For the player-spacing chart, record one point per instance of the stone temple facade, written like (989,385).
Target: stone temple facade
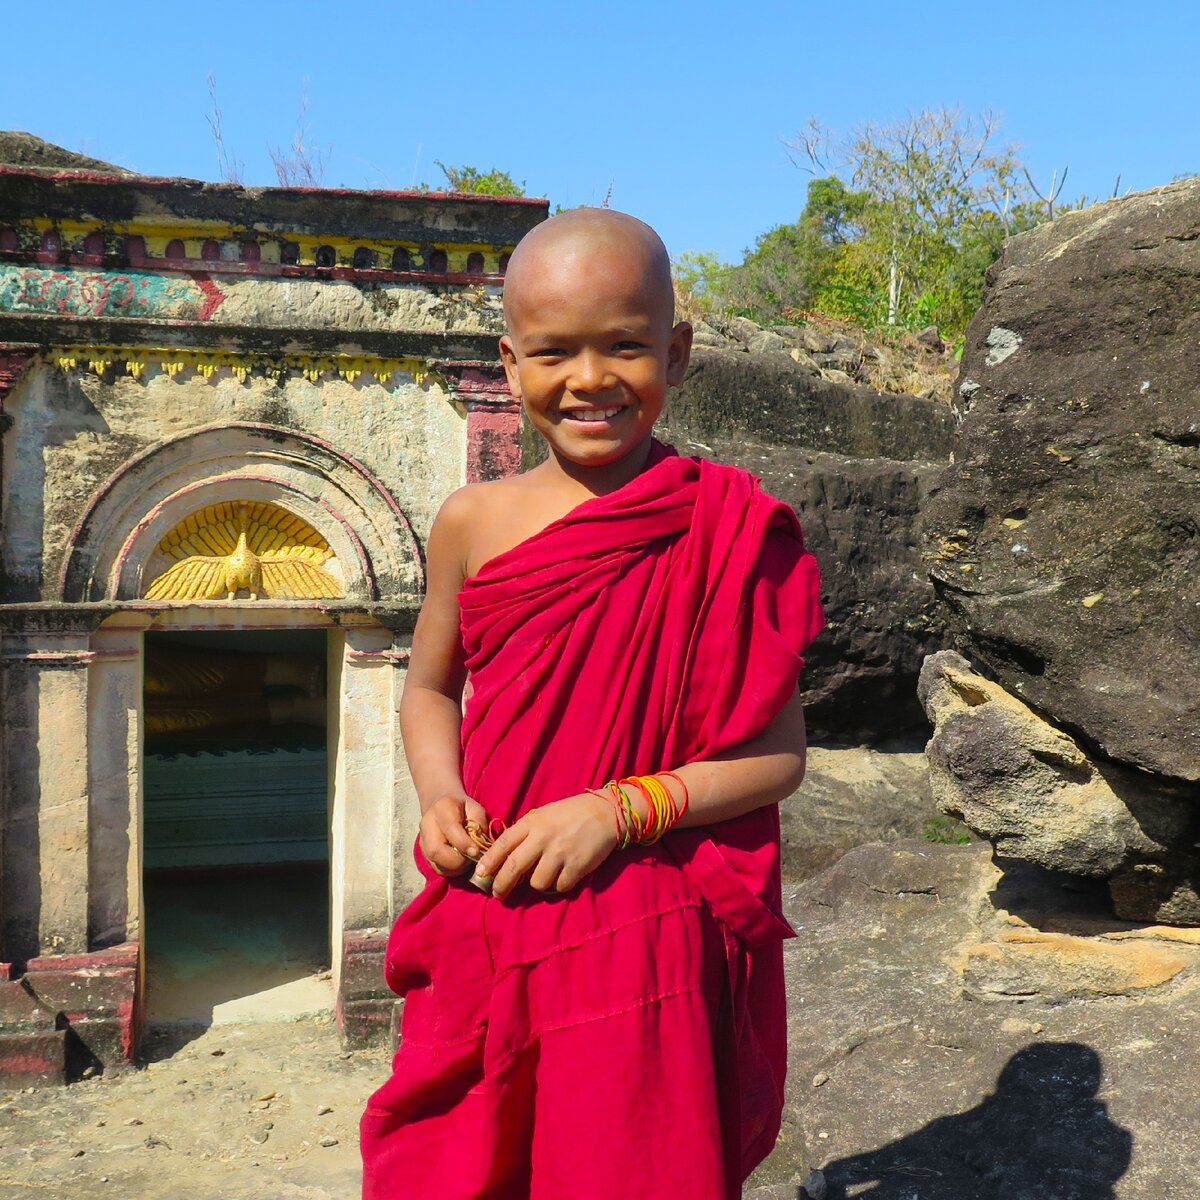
(227,417)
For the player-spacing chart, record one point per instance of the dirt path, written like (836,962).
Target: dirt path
(255,1111)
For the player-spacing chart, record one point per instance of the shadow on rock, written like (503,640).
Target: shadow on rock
(1041,1133)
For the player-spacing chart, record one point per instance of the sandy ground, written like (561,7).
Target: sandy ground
(240,1103)
(267,1110)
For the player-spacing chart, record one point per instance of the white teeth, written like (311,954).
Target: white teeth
(594,414)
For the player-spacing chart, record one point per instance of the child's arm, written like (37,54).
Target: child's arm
(431,709)
(558,844)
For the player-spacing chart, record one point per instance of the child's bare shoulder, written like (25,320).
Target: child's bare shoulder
(482,520)
(467,505)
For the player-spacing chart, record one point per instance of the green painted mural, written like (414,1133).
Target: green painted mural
(67,291)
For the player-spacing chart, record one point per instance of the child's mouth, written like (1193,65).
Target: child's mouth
(592,415)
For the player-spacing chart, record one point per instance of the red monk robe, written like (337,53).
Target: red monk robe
(626,1039)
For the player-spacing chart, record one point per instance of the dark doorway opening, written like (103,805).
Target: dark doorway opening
(235,826)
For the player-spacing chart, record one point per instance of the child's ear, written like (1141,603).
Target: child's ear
(508,356)
(679,352)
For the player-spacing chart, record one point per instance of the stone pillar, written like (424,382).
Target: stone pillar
(364,686)
(493,419)
(53,852)
(45,858)
(114,780)
(407,881)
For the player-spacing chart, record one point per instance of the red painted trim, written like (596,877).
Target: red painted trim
(129,1020)
(118,962)
(79,657)
(360,550)
(25,1064)
(159,608)
(191,185)
(114,960)
(14,359)
(213,296)
(493,443)
(398,658)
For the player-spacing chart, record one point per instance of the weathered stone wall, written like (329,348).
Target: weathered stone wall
(72,431)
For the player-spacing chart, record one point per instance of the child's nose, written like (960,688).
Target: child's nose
(591,374)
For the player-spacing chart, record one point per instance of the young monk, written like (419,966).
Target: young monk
(594,1005)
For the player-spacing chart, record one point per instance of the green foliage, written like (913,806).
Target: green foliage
(899,226)
(776,277)
(701,283)
(481,183)
(945,832)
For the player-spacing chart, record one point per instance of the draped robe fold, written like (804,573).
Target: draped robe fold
(628,1038)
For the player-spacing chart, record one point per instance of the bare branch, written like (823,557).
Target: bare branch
(302,164)
(812,143)
(1055,190)
(230,168)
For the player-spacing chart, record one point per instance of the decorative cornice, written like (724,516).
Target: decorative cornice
(14,359)
(223,248)
(478,385)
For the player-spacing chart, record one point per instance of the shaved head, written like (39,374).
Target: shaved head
(574,240)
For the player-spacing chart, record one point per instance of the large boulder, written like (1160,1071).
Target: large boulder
(1035,795)
(1065,537)
(774,398)
(856,465)
(958,1032)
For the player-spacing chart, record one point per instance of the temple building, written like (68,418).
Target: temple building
(228,416)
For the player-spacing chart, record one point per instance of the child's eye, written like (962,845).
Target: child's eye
(630,346)
(547,352)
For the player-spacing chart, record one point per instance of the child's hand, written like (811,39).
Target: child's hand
(559,843)
(444,839)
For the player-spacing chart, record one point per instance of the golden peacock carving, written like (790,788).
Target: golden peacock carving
(234,546)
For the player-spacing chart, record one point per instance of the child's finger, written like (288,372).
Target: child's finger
(442,853)
(546,874)
(457,837)
(521,853)
(493,859)
(474,811)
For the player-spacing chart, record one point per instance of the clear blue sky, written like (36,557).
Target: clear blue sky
(681,107)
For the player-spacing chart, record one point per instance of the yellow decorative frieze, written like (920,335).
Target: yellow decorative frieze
(232,547)
(98,360)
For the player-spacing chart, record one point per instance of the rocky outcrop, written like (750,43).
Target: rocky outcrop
(942,1042)
(24,150)
(852,795)
(856,465)
(896,362)
(1065,537)
(1032,792)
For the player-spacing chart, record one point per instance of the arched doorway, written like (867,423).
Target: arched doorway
(251,810)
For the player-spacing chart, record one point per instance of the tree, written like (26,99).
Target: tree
(930,189)
(787,267)
(700,280)
(481,183)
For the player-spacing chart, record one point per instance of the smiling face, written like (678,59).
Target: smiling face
(592,348)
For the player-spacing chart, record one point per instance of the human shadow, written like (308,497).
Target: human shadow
(1041,1133)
